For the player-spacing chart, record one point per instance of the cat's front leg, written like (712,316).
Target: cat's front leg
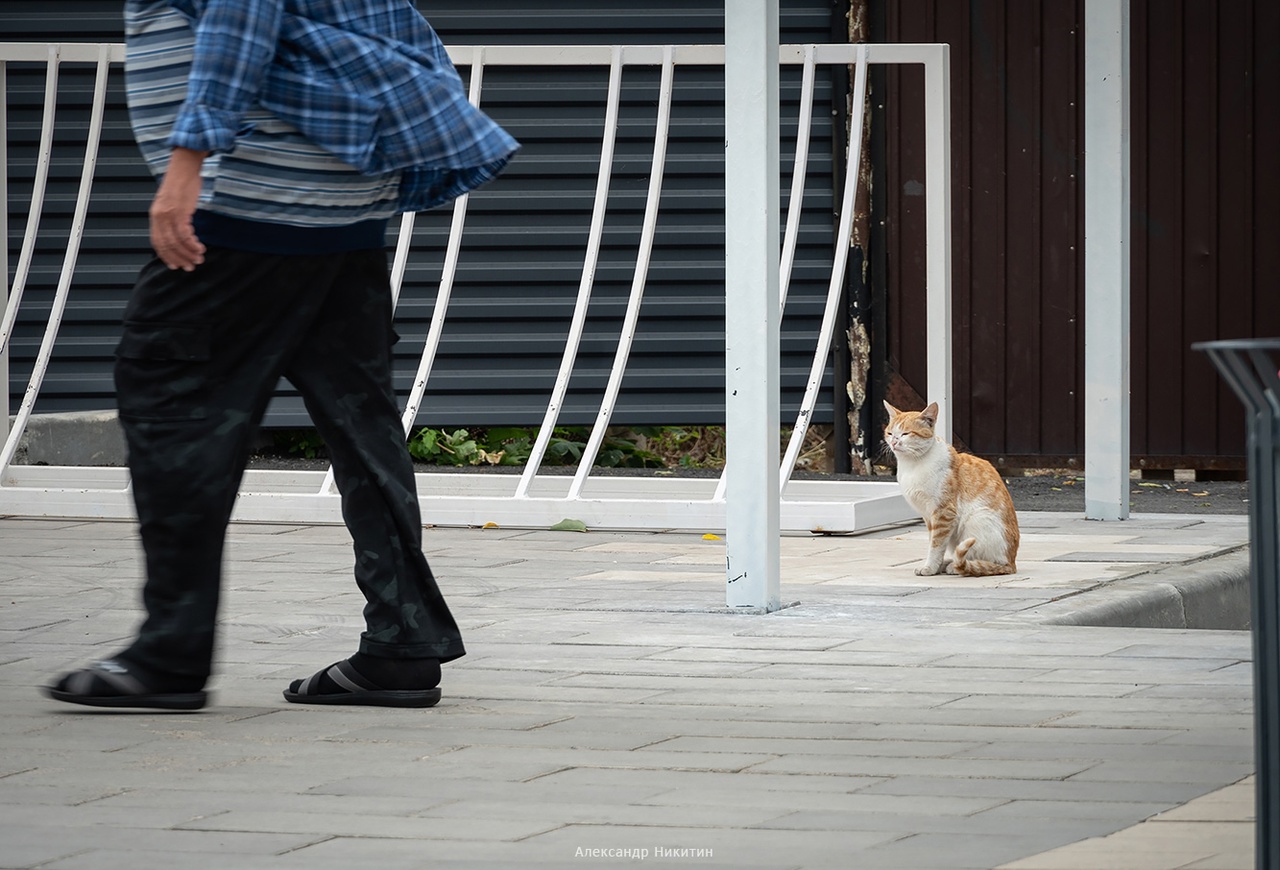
(940,535)
(934,565)
(936,561)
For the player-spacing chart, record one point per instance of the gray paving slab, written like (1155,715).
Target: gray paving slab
(906,824)
(100,849)
(1063,809)
(1077,791)
(611,701)
(954,851)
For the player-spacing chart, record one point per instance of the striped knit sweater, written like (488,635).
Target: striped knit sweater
(273,174)
(267,185)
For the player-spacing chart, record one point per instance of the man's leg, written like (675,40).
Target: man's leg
(199,357)
(343,370)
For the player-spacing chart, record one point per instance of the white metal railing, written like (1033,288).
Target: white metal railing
(53,56)
(532,499)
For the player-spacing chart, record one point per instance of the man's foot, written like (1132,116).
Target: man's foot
(413,683)
(112,683)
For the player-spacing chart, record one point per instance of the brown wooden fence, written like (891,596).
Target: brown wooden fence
(1205,204)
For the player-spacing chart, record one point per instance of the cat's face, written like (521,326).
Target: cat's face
(910,433)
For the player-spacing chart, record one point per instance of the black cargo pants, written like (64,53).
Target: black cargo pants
(199,358)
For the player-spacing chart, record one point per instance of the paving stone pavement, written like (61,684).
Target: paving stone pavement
(611,710)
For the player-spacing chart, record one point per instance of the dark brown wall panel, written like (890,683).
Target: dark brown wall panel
(1016,187)
(1157,315)
(1265,184)
(981,411)
(1061,328)
(1193,430)
(1199,102)
(905,227)
(1205,188)
(1021,357)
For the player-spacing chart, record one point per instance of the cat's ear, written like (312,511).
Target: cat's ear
(893,412)
(929,415)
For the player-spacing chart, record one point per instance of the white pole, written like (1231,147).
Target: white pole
(937,176)
(1106,259)
(752,318)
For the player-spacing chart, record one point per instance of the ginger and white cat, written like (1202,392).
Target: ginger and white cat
(964,502)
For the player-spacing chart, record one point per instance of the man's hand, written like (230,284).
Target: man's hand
(172,236)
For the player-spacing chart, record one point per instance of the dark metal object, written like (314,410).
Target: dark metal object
(1252,368)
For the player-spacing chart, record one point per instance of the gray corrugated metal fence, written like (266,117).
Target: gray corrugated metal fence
(520,266)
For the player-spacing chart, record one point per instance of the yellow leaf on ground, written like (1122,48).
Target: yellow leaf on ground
(1200,494)
(491,526)
(710,537)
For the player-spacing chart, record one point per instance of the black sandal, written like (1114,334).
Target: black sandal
(110,684)
(341,683)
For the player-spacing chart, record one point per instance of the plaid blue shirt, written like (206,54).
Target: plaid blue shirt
(369,82)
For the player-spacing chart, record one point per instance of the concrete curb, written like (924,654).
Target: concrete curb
(72,438)
(1210,594)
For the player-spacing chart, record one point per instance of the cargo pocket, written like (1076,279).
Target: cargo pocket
(162,372)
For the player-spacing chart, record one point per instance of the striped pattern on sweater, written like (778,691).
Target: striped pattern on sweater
(273,173)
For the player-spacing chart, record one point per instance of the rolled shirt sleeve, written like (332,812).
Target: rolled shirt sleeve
(370,83)
(235,41)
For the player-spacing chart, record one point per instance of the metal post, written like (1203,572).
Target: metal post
(1252,368)
(752,319)
(1106,260)
(937,184)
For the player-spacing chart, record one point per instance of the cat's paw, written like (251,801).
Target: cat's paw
(926,571)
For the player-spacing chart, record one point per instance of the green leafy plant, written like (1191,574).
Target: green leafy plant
(446,448)
(513,446)
(690,446)
(306,443)
(622,446)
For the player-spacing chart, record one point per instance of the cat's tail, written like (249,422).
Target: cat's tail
(979,567)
